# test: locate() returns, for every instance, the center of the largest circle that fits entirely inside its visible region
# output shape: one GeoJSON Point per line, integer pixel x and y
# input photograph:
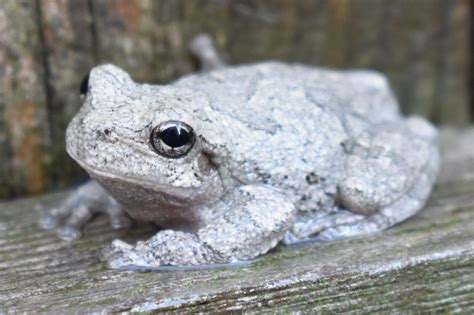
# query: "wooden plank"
{"type": "Point", "coordinates": [69, 55]}
{"type": "Point", "coordinates": [423, 265]}
{"type": "Point", "coordinates": [23, 123]}
{"type": "Point", "coordinates": [471, 60]}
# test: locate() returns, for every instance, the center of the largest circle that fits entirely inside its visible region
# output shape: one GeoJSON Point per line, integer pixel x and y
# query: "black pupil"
{"type": "Point", "coordinates": [84, 85]}
{"type": "Point", "coordinates": [175, 136]}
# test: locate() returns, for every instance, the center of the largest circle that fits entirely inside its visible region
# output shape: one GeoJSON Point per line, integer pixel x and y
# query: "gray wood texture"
{"type": "Point", "coordinates": [47, 46]}
{"type": "Point", "coordinates": [425, 264]}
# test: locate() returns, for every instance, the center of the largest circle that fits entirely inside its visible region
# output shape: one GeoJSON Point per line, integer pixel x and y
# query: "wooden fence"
{"type": "Point", "coordinates": [46, 47]}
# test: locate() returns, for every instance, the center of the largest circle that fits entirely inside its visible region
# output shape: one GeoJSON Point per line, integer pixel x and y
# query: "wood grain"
{"type": "Point", "coordinates": [423, 265]}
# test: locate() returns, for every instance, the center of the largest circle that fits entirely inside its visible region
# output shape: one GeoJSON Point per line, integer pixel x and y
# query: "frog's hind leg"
{"type": "Point", "coordinates": [78, 209]}
{"type": "Point", "coordinates": [388, 181]}
{"type": "Point", "coordinates": [203, 48]}
{"type": "Point", "coordinates": [398, 179]}
{"type": "Point", "coordinates": [389, 215]}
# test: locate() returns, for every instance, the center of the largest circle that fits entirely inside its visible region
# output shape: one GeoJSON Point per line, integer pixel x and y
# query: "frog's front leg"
{"type": "Point", "coordinates": [79, 207]}
{"type": "Point", "coordinates": [245, 224]}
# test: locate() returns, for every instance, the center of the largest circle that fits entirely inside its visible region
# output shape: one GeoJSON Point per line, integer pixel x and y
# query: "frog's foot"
{"type": "Point", "coordinates": [310, 230]}
{"type": "Point", "coordinates": [248, 223]}
{"type": "Point", "coordinates": [202, 47]}
{"type": "Point", "coordinates": [78, 209]}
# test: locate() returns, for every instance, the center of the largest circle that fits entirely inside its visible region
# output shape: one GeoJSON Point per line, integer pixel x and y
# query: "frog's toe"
{"type": "Point", "coordinates": [67, 220]}
{"type": "Point", "coordinates": [113, 253]}
{"type": "Point", "coordinates": [71, 230]}
{"type": "Point", "coordinates": [48, 221]}
{"type": "Point", "coordinates": [118, 218]}
{"type": "Point", "coordinates": [121, 255]}
{"type": "Point", "coordinates": [120, 221]}
{"type": "Point", "coordinates": [358, 196]}
{"type": "Point", "coordinates": [54, 217]}
{"type": "Point", "coordinates": [68, 233]}
{"type": "Point", "coordinates": [115, 260]}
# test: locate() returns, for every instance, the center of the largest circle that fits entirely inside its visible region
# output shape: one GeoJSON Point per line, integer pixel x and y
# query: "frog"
{"type": "Point", "coordinates": [231, 161]}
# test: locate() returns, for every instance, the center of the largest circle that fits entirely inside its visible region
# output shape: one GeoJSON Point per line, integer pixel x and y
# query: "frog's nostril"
{"type": "Point", "coordinates": [104, 133]}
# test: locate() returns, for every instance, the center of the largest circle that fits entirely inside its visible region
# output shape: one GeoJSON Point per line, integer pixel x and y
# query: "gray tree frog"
{"type": "Point", "coordinates": [232, 160]}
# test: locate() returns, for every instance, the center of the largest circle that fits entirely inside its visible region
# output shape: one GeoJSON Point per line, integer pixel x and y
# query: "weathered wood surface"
{"type": "Point", "coordinates": [47, 46]}
{"type": "Point", "coordinates": [425, 264]}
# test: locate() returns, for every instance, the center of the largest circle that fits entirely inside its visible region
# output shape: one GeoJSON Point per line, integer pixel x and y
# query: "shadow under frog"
{"type": "Point", "coordinates": [232, 160]}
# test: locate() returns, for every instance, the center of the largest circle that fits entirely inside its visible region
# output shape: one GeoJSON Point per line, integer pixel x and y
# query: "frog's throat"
{"type": "Point", "coordinates": [148, 205]}
{"type": "Point", "coordinates": [210, 191]}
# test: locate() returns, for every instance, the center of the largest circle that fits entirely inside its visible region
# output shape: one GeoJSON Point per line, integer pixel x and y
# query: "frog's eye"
{"type": "Point", "coordinates": [84, 88]}
{"type": "Point", "coordinates": [172, 138]}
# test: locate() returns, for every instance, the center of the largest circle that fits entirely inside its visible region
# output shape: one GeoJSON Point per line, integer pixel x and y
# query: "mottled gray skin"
{"type": "Point", "coordinates": [283, 152]}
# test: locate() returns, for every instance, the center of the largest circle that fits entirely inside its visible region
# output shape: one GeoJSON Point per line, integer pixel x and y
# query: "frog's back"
{"type": "Point", "coordinates": [254, 93]}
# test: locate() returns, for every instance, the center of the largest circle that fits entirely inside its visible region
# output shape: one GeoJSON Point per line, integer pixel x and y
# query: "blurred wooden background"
{"type": "Point", "coordinates": [47, 46]}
